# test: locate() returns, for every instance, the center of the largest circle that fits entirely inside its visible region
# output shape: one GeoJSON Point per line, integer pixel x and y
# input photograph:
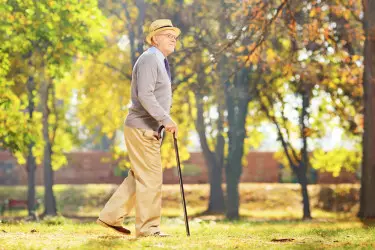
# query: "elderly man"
{"type": "Point", "coordinates": [151, 101]}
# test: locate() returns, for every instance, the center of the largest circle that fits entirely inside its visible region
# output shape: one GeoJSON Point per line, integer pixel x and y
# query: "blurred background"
{"type": "Point", "coordinates": [274, 102]}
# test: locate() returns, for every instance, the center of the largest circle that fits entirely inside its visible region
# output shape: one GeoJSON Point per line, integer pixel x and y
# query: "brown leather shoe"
{"type": "Point", "coordinates": [121, 230]}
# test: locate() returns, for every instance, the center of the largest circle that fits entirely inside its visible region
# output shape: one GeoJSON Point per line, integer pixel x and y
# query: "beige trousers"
{"type": "Point", "coordinates": [141, 188]}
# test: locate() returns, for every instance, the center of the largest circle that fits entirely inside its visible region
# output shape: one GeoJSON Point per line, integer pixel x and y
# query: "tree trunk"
{"type": "Point", "coordinates": [140, 22]}
{"type": "Point", "coordinates": [297, 165]}
{"type": "Point", "coordinates": [31, 167]}
{"type": "Point", "coordinates": [237, 104]}
{"type": "Point", "coordinates": [302, 179]}
{"type": "Point", "coordinates": [135, 49]}
{"type": "Point", "coordinates": [232, 179]}
{"type": "Point", "coordinates": [216, 199]}
{"type": "Point", "coordinates": [367, 201]}
{"type": "Point", "coordinates": [49, 198]}
{"type": "Point", "coordinates": [302, 169]}
{"type": "Point", "coordinates": [31, 164]}
{"type": "Point", "coordinates": [216, 203]}
{"type": "Point", "coordinates": [131, 33]}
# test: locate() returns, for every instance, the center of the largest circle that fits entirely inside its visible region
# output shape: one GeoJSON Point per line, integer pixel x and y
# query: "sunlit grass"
{"type": "Point", "coordinates": [205, 234]}
{"type": "Point", "coordinates": [270, 219]}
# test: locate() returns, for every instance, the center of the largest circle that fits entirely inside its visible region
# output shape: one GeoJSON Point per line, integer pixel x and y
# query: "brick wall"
{"type": "Point", "coordinates": [262, 167]}
{"type": "Point", "coordinates": [96, 167]}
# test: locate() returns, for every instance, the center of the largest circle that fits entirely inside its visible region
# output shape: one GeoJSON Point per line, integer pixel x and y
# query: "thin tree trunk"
{"type": "Point", "coordinates": [296, 164]}
{"type": "Point", "coordinates": [140, 21]}
{"type": "Point", "coordinates": [31, 168]}
{"type": "Point", "coordinates": [367, 201]}
{"type": "Point", "coordinates": [49, 198]}
{"type": "Point", "coordinates": [31, 164]}
{"type": "Point", "coordinates": [302, 169]}
{"type": "Point", "coordinates": [131, 33]}
{"type": "Point", "coordinates": [302, 179]}
{"type": "Point", "coordinates": [216, 199]}
{"type": "Point", "coordinates": [135, 50]}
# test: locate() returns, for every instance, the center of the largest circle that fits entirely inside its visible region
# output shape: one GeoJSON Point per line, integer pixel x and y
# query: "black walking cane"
{"type": "Point", "coordinates": [180, 176]}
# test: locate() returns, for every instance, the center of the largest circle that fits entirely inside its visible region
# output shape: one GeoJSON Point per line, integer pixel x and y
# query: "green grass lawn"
{"type": "Point", "coordinates": [270, 219]}
{"type": "Point", "coordinates": [205, 234]}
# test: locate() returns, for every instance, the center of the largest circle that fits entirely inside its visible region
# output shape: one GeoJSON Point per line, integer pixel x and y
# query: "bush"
{"type": "Point", "coordinates": [339, 198]}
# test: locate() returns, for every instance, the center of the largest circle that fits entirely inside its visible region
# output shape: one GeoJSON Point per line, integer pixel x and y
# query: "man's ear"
{"type": "Point", "coordinates": [153, 41]}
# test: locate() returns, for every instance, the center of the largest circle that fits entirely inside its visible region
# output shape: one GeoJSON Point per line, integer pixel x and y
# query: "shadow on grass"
{"type": "Point", "coordinates": [110, 237]}
{"type": "Point", "coordinates": [108, 242]}
{"type": "Point", "coordinates": [104, 243]}
{"type": "Point", "coordinates": [368, 223]}
{"type": "Point", "coordinates": [82, 219]}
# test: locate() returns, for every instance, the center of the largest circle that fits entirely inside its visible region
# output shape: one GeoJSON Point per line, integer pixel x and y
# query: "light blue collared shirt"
{"type": "Point", "coordinates": [158, 53]}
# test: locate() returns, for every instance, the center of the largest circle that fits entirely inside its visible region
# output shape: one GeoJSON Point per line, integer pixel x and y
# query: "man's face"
{"type": "Point", "coordinates": [166, 41]}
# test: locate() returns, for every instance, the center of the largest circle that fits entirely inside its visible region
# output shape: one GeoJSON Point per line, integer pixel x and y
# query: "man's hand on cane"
{"type": "Point", "coordinates": [171, 127]}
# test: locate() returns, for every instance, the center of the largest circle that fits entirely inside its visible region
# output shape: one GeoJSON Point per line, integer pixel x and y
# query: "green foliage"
{"type": "Point", "coordinates": [336, 160]}
{"type": "Point", "coordinates": [15, 131]}
{"type": "Point", "coordinates": [39, 40]}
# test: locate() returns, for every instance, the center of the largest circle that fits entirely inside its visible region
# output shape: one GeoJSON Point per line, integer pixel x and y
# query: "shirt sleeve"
{"type": "Point", "coordinates": [146, 81]}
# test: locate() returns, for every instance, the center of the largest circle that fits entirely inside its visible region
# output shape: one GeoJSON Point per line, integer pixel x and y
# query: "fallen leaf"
{"type": "Point", "coordinates": [2, 230]}
{"type": "Point", "coordinates": [282, 240]}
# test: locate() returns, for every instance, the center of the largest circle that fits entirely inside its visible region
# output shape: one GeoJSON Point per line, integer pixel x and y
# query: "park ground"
{"type": "Point", "coordinates": [270, 219]}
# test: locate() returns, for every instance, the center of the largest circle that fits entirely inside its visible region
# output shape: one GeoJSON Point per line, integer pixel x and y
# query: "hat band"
{"type": "Point", "coordinates": [163, 27]}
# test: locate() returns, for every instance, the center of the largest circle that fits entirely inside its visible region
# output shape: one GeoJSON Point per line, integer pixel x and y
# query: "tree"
{"type": "Point", "coordinates": [52, 33]}
{"type": "Point", "coordinates": [200, 77]}
{"type": "Point", "coordinates": [16, 132]}
{"type": "Point", "coordinates": [252, 23]}
{"type": "Point", "coordinates": [367, 203]}
{"type": "Point", "coordinates": [19, 130]}
{"type": "Point", "coordinates": [301, 67]}
{"type": "Point", "coordinates": [215, 91]}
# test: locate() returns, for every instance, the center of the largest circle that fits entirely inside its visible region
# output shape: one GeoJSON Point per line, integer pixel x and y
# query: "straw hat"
{"type": "Point", "coordinates": [160, 25]}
